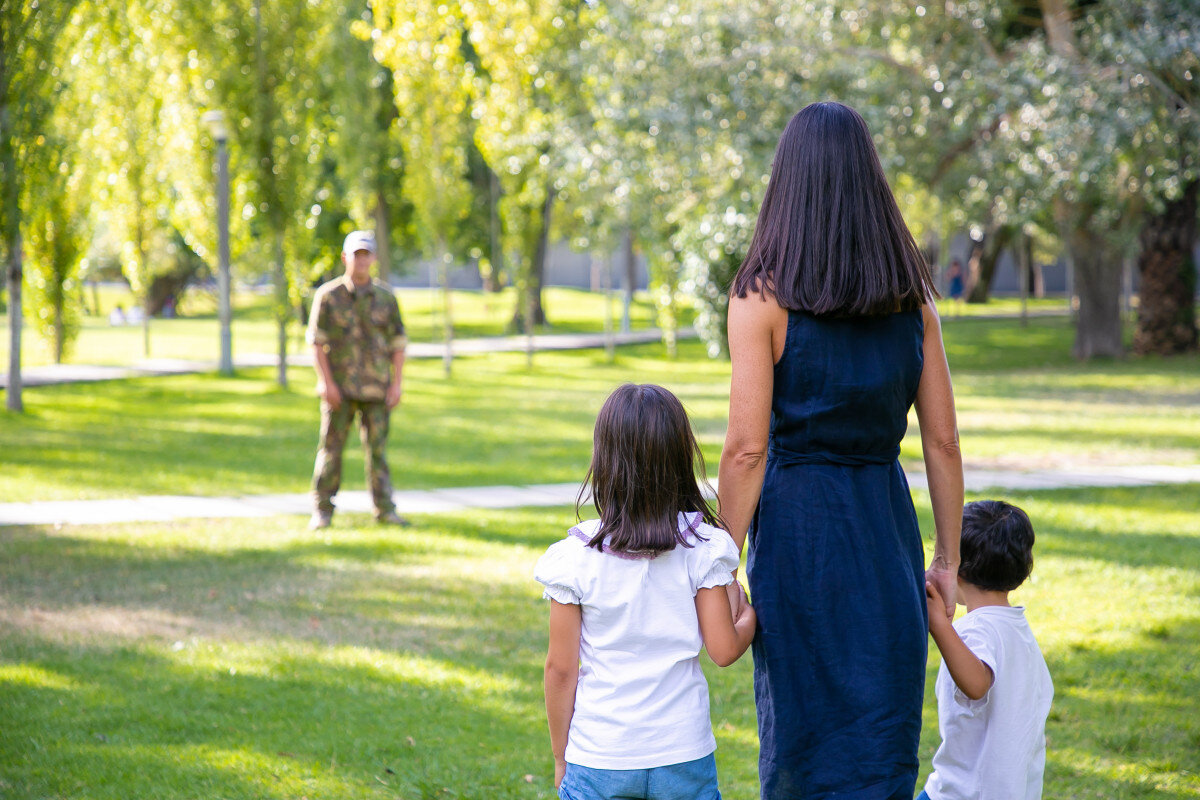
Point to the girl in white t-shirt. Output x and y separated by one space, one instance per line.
634 595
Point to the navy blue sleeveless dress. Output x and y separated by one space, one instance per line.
836 566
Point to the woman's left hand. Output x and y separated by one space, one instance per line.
945 579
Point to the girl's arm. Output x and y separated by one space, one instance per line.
971 676
725 638
943 460
561 677
753 324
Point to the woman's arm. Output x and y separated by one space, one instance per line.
725 638
754 341
943 459
561 678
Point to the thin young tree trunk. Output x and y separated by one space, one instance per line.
12 242
13 399
383 237
281 308
1166 321
630 275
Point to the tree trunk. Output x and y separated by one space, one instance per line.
630 281
531 304
12 241
282 311
1098 283
982 265
1167 305
492 282
60 334
13 399
383 237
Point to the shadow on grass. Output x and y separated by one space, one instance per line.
409 659
141 724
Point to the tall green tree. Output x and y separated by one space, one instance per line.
57 238
33 39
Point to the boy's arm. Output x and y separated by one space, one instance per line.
725 638
972 677
561 678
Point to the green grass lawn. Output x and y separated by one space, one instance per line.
251 659
1022 401
194 334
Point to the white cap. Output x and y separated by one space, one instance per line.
359 240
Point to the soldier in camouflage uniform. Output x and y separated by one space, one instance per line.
358 343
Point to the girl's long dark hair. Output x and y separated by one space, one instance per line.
830 239
643 472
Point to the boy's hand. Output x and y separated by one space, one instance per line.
560 769
936 606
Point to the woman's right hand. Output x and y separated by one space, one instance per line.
560 769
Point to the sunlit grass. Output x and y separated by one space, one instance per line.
250 658
194 334
1022 402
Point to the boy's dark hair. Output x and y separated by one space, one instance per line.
643 472
830 239
997 546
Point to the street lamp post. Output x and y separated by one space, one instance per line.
216 124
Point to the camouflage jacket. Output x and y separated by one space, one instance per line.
359 330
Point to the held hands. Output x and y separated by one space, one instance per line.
935 605
738 601
945 580
393 395
739 605
329 392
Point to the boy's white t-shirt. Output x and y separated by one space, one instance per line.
994 748
642 700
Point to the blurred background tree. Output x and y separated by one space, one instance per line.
478 133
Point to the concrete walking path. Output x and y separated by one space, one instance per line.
54 374
164 508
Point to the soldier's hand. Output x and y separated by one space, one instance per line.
330 394
393 395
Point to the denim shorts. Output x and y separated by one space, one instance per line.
691 780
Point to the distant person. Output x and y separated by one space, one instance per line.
136 315
168 309
993 688
634 595
358 344
956 284
117 317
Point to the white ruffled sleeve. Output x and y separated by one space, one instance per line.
717 559
557 570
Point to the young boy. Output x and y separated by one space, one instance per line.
993 688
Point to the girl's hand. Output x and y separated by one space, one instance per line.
560 769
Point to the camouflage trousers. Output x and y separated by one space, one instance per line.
373 430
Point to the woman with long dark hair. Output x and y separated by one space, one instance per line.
834 337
